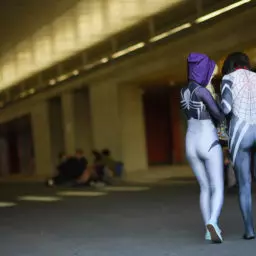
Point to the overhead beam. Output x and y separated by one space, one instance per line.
199 7
167 60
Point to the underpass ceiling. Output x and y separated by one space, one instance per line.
80 24
21 18
166 59
85 24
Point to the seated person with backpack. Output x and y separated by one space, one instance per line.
69 169
113 168
102 170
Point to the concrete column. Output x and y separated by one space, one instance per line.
133 129
67 100
76 122
83 129
118 123
105 113
56 127
42 139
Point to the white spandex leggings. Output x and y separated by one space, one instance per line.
206 159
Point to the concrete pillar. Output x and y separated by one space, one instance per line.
117 121
67 100
133 129
42 138
83 129
105 113
56 127
76 122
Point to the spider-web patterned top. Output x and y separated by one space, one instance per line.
238 91
198 103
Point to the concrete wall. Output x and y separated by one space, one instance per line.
115 108
25 148
42 139
56 128
105 112
134 153
77 121
83 127
67 102
118 123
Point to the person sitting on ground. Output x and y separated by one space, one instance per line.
62 159
82 162
69 169
104 167
108 161
92 172
61 176
112 166
98 166
102 170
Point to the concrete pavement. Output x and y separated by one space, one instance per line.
156 219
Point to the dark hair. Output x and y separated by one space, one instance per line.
235 60
79 151
106 152
96 154
61 155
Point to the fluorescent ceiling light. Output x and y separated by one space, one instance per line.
221 11
26 93
104 60
170 32
90 66
76 72
96 63
128 50
52 82
23 94
31 91
63 77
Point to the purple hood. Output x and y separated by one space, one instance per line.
200 68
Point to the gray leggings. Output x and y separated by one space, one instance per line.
242 141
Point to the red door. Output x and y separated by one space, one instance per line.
157 123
